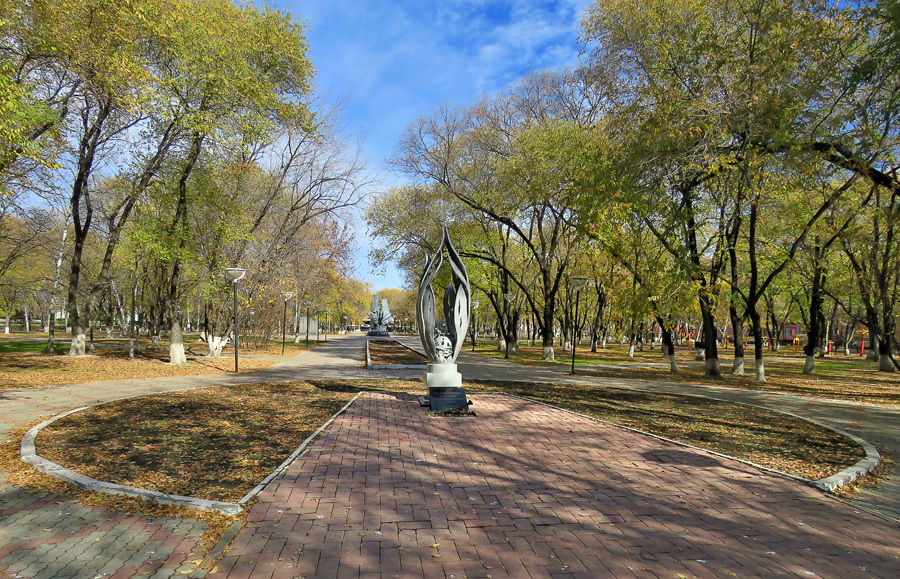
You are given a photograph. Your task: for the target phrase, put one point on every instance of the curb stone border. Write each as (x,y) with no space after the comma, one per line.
(371,366)
(28,453)
(219,549)
(828,484)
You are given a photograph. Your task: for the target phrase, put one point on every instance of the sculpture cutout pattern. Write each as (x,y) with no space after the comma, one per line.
(443,341)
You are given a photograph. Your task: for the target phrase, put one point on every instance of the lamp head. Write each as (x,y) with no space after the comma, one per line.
(287,295)
(578,282)
(234,273)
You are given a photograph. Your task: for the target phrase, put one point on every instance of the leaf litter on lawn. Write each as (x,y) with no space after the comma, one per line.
(218,443)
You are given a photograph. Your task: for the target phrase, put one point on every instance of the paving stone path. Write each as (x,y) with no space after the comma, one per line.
(525,490)
(595,504)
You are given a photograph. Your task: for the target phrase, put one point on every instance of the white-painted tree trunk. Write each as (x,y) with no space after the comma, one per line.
(885,364)
(216,345)
(713,367)
(809,365)
(631,350)
(701,355)
(760,370)
(737,366)
(77,347)
(501,345)
(176,346)
(673,363)
(547,354)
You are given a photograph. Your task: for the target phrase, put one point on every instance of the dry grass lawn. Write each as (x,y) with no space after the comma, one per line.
(24,365)
(836,376)
(218,443)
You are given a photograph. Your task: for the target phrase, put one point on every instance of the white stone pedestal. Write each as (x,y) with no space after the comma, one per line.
(442,376)
(445,388)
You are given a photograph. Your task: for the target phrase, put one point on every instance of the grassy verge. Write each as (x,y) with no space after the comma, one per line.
(837,377)
(26,366)
(215,443)
(390,352)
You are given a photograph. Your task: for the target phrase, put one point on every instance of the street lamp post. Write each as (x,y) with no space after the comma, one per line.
(308,305)
(509,299)
(318,311)
(285,296)
(577,284)
(474,324)
(234,274)
(326,326)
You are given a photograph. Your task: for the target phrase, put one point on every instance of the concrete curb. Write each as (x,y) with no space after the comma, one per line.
(370,366)
(828,484)
(28,454)
(300,450)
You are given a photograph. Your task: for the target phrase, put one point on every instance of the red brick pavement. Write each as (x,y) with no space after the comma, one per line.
(524,490)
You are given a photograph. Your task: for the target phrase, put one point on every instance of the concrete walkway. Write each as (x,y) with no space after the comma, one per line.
(40,537)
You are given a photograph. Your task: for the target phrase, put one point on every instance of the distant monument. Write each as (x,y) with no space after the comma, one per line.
(379,317)
(442,340)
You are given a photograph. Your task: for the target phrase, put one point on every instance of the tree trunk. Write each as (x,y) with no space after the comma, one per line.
(886,357)
(737,327)
(51,331)
(79,340)
(711,351)
(547,352)
(176,344)
(760,370)
(668,346)
(873,354)
(756,328)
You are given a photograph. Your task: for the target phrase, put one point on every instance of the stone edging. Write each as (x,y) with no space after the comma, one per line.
(28,453)
(371,366)
(300,450)
(846,476)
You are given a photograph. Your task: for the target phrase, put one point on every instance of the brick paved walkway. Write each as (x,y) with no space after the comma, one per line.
(49,537)
(524,490)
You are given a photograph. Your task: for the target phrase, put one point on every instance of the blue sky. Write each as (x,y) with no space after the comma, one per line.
(396,60)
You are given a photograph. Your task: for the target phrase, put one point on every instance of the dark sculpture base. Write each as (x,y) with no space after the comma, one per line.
(378,334)
(447,399)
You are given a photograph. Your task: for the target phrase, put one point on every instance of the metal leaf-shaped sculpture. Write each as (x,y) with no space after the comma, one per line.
(440,347)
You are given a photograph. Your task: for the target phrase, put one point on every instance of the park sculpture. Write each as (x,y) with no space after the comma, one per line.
(380,317)
(443,339)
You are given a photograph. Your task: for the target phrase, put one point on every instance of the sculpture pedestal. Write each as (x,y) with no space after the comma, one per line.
(445,388)
(378,334)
